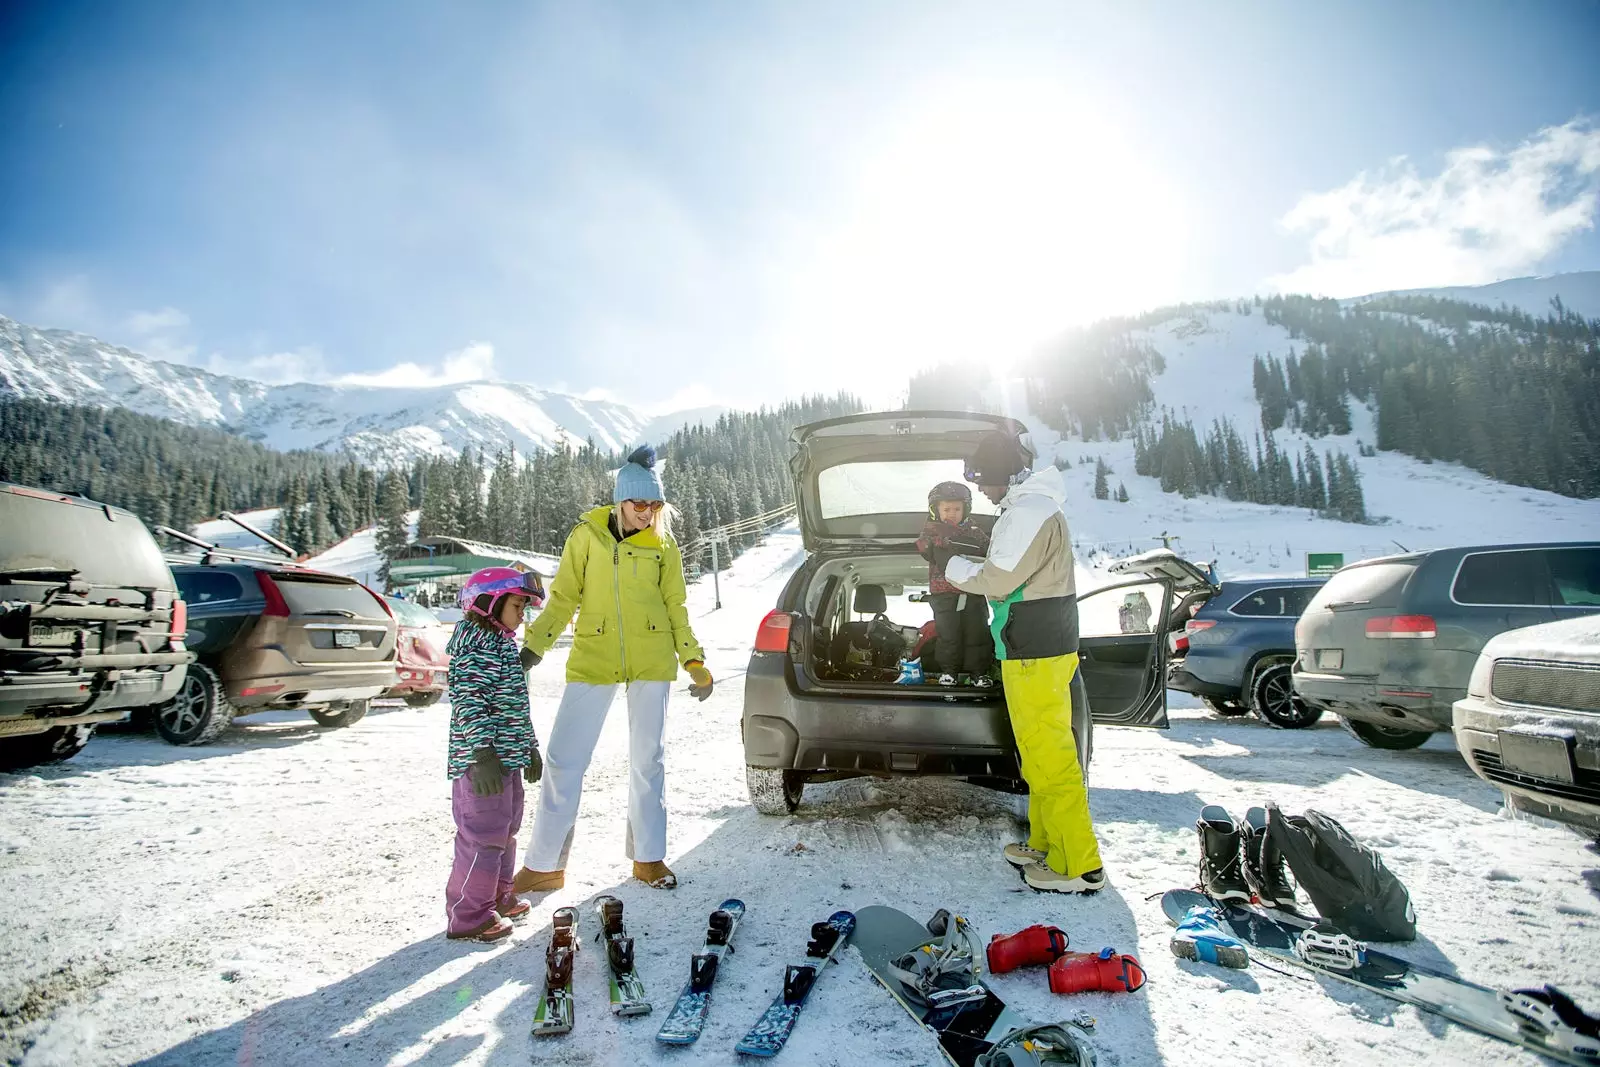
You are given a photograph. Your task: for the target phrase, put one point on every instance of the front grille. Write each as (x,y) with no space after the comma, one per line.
(1546,685)
(1585,790)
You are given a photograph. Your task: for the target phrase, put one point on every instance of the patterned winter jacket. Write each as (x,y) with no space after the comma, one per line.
(488,698)
(968,538)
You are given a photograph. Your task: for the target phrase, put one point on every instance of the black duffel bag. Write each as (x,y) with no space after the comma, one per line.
(1345,879)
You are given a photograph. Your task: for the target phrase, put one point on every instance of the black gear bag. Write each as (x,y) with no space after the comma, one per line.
(1345,879)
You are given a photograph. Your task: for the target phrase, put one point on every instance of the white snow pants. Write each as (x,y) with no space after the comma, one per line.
(566,756)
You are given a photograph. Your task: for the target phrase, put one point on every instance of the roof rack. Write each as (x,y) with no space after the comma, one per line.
(210,552)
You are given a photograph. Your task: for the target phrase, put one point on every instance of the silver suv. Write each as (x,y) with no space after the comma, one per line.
(822,701)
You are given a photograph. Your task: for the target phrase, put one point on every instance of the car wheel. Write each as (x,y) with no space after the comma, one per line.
(1275,702)
(1225,707)
(348,715)
(200,711)
(54,745)
(422,700)
(1377,735)
(774,792)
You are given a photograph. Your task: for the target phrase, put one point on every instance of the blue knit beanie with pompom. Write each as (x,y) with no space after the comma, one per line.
(638,479)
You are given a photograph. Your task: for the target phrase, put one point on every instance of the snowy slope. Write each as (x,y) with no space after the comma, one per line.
(1208,376)
(1579,291)
(380,425)
(304,926)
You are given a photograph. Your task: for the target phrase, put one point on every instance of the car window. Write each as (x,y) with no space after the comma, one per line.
(1282,601)
(889,486)
(44,533)
(208,587)
(1375,585)
(1501,578)
(1575,574)
(411,614)
(338,598)
(1127,609)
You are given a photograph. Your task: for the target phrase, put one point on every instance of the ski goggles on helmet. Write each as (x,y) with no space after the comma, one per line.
(527,583)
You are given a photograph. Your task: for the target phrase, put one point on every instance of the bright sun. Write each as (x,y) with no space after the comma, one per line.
(992,218)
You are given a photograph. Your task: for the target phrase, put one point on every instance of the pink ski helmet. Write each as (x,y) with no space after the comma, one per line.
(486,588)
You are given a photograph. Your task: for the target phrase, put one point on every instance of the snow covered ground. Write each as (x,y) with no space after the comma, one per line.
(277,898)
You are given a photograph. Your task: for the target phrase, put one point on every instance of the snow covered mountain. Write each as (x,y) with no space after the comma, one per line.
(1579,291)
(380,425)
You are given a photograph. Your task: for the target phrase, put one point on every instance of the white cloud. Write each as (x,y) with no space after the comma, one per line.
(163,321)
(1486,215)
(474,363)
(306,364)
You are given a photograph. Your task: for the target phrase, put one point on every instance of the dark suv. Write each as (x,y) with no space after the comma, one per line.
(273,635)
(1389,644)
(821,700)
(91,625)
(1238,649)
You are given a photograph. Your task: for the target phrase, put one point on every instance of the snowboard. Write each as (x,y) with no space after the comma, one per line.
(973,1032)
(555,1012)
(828,939)
(1476,1007)
(688,1016)
(627,988)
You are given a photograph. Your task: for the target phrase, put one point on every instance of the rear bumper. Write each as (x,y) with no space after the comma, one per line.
(854,735)
(33,703)
(1367,700)
(310,689)
(1185,681)
(1478,722)
(418,680)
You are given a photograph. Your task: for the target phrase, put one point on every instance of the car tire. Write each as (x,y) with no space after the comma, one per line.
(1273,699)
(348,715)
(1376,735)
(421,700)
(1228,708)
(35,750)
(200,711)
(774,792)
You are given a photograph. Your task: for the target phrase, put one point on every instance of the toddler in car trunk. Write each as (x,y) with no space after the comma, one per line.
(962,642)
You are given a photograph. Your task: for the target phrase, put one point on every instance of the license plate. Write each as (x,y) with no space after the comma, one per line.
(346,639)
(1330,659)
(53,636)
(1540,755)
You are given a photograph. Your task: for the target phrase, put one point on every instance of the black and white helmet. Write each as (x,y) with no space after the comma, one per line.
(950,492)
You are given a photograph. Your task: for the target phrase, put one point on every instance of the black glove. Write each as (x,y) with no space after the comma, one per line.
(939,556)
(535,768)
(488,774)
(530,659)
(962,547)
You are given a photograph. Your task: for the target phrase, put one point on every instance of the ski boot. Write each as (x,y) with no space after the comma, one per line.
(1056,1045)
(943,972)
(1107,971)
(1035,946)
(1202,937)
(1221,856)
(1555,1018)
(1264,870)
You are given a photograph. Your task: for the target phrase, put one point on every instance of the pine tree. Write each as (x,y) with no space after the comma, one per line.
(1122,493)
(1101,490)
(392,536)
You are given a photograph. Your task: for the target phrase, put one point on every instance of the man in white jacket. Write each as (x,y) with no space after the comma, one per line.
(1028,577)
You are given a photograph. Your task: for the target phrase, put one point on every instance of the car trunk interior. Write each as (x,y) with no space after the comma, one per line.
(866,612)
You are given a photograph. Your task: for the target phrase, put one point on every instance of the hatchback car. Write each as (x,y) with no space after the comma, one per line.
(91,624)
(1530,722)
(421,662)
(1238,649)
(821,699)
(1389,644)
(274,635)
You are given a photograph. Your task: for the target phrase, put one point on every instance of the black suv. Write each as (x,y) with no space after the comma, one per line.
(91,624)
(821,700)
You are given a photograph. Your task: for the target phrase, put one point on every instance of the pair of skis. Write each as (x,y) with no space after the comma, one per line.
(555,1014)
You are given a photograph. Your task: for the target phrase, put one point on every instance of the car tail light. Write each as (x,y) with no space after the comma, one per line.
(1196,625)
(1385,626)
(773,633)
(179,625)
(276,605)
(382,603)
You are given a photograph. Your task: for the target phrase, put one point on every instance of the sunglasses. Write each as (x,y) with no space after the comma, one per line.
(646,505)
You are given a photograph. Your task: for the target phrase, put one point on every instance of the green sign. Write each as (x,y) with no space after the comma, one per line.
(1322,564)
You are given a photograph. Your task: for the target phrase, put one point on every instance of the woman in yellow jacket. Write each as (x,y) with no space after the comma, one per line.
(621,573)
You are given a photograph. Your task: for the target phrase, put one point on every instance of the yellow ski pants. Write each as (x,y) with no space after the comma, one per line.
(1039,700)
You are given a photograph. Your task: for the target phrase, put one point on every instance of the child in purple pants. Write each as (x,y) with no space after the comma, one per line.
(491,740)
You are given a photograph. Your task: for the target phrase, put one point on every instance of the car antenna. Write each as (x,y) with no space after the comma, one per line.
(1403,548)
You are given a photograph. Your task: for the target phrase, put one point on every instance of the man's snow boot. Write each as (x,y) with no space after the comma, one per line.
(1026,948)
(1107,971)
(1202,937)
(1264,868)
(656,875)
(528,880)
(1044,880)
(1221,856)
(1020,855)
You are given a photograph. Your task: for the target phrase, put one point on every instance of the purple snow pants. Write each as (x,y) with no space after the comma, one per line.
(486,851)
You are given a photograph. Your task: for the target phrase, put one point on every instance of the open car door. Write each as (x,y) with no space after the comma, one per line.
(1122,647)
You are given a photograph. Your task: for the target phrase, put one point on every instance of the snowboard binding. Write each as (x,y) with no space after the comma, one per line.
(1554,1019)
(1334,952)
(942,972)
(1055,1045)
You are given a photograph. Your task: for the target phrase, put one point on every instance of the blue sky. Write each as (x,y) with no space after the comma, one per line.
(675,204)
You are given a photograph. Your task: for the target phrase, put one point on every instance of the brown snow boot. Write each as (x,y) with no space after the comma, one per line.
(531,881)
(656,875)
